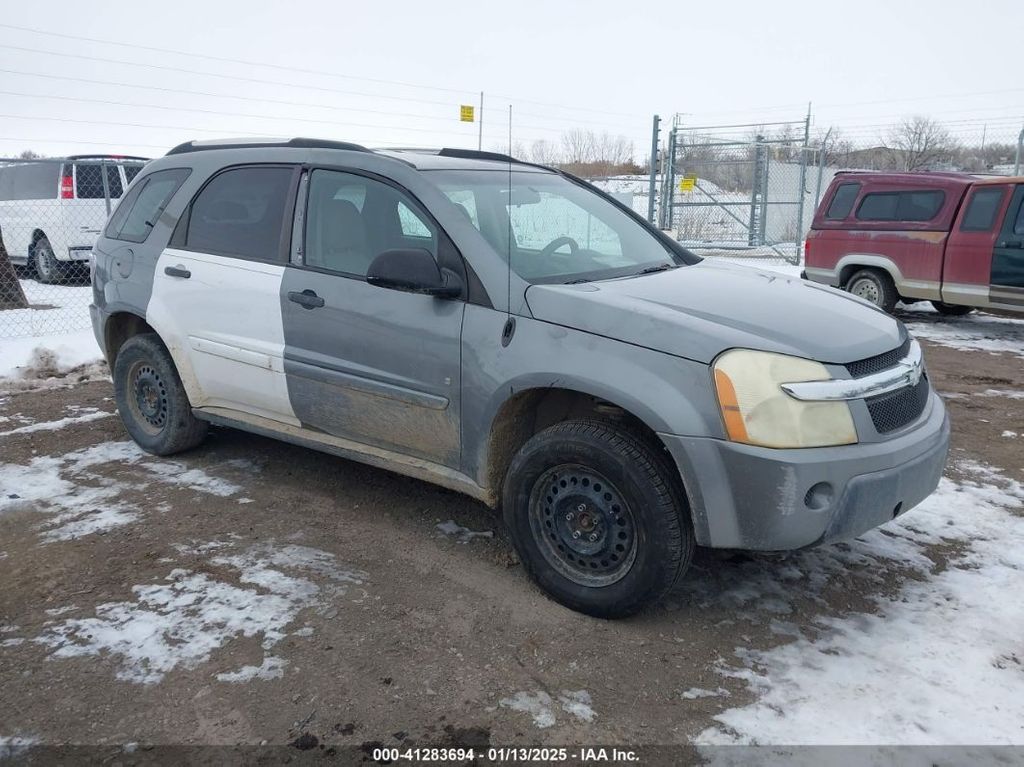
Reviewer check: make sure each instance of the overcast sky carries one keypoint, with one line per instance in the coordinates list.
(394, 72)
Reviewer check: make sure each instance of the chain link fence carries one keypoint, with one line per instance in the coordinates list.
(51, 212)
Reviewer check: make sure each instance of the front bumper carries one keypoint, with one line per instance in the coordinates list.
(747, 497)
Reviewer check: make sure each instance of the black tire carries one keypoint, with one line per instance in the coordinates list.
(47, 268)
(952, 310)
(875, 286)
(625, 494)
(151, 398)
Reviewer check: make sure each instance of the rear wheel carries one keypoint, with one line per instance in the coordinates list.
(952, 310)
(48, 268)
(598, 518)
(151, 399)
(875, 286)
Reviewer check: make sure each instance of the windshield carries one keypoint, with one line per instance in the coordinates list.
(560, 231)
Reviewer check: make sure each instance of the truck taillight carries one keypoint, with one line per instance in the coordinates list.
(67, 187)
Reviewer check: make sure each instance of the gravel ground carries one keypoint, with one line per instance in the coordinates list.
(251, 591)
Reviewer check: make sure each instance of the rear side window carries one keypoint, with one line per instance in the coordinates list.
(901, 206)
(29, 181)
(89, 181)
(137, 214)
(842, 202)
(981, 210)
(241, 213)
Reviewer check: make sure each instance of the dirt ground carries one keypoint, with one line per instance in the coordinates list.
(251, 591)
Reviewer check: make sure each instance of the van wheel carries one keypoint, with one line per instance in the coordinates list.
(875, 286)
(48, 269)
(952, 310)
(598, 518)
(151, 398)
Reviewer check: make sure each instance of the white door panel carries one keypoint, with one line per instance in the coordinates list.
(224, 329)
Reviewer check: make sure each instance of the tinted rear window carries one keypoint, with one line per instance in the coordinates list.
(901, 206)
(241, 213)
(842, 202)
(981, 210)
(89, 181)
(136, 216)
(30, 181)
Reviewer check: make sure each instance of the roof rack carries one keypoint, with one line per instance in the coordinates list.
(236, 143)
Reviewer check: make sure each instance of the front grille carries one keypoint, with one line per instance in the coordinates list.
(881, 362)
(895, 410)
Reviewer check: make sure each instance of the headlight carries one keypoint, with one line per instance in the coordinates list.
(758, 412)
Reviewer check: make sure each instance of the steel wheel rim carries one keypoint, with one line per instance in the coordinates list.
(147, 397)
(582, 525)
(865, 289)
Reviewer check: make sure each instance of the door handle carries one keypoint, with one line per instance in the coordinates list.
(177, 271)
(307, 299)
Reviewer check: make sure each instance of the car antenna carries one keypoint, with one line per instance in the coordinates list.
(510, 321)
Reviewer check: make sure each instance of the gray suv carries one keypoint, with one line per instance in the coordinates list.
(618, 398)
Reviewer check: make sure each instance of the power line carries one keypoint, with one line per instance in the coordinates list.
(227, 60)
(281, 67)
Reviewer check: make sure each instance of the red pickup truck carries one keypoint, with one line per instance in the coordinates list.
(954, 239)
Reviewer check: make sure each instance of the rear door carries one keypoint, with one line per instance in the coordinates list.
(967, 272)
(379, 367)
(1007, 286)
(85, 210)
(216, 291)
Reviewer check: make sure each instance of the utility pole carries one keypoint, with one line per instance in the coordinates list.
(655, 131)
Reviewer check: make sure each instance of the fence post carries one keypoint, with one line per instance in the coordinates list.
(803, 180)
(653, 168)
(821, 168)
(106, 185)
(668, 198)
(1016, 164)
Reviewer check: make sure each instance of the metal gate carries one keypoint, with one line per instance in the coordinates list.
(737, 190)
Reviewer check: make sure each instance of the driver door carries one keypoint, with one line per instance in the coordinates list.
(379, 367)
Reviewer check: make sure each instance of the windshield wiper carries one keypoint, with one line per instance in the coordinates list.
(653, 269)
(577, 281)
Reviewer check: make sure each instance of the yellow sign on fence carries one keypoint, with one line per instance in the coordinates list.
(466, 113)
(687, 183)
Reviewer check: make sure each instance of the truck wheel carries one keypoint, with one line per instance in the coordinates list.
(875, 286)
(599, 519)
(952, 310)
(151, 398)
(48, 269)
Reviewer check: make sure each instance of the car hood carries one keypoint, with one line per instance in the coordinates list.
(701, 310)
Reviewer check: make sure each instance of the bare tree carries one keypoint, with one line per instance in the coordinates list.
(919, 143)
(28, 154)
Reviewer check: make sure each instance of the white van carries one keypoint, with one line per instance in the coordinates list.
(52, 210)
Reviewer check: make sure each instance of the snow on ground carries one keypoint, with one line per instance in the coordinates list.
(181, 621)
(80, 502)
(43, 357)
(540, 706)
(940, 662)
(53, 309)
(60, 423)
(974, 332)
(454, 530)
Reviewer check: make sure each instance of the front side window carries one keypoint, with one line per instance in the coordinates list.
(137, 214)
(561, 231)
(352, 219)
(241, 213)
(981, 210)
(913, 206)
(1018, 226)
(842, 202)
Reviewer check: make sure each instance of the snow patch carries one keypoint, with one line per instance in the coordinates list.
(180, 622)
(944, 650)
(454, 530)
(13, 745)
(696, 692)
(271, 668)
(58, 424)
(976, 332)
(541, 707)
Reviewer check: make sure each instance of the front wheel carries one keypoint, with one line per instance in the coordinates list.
(598, 518)
(151, 399)
(952, 310)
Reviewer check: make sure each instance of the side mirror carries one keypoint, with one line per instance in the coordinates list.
(412, 270)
